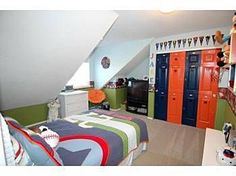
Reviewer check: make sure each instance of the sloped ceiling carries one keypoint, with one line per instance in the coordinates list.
(141, 55)
(140, 24)
(41, 50)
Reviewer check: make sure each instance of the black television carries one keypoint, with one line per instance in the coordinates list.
(137, 91)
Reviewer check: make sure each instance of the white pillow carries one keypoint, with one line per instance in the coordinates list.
(21, 156)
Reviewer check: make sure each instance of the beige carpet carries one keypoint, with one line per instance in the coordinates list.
(171, 144)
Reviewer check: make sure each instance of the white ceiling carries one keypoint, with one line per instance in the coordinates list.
(133, 25)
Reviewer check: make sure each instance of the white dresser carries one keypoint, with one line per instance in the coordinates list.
(73, 102)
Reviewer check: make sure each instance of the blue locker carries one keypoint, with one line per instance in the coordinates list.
(191, 84)
(161, 92)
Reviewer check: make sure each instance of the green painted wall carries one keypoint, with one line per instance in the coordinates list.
(230, 116)
(151, 104)
(224, 114)
(115, 96)
(220, 113)
(29, 115)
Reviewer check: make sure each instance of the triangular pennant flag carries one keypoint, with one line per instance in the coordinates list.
(161, 45)
(157, 46)
(207, 39)
(195, 40)
(174, 43)
(213, 39)
(184, 42)
(169, 44)
(201, 38)
(179, 43)
(165, 45)
(189, 41)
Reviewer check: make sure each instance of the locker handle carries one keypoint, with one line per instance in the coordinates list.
(205, 102)
(175, 70)
(173, 98)
(176, 59)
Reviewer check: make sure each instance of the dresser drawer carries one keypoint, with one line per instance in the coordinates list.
(77, 107)
(75, 99)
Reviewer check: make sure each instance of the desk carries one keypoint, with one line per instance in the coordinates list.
(213, 140)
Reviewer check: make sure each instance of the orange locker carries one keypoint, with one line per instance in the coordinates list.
(208, 89)
(175, 101)
(209, 57)
(176, 78)
(177, 59)
(206, 110)
(209, 78)
(176, 87)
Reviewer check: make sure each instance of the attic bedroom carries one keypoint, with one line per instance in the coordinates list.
(118, 88)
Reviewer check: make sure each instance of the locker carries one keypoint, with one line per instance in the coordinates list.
(175, 101)
(177, 59)
(190, 104)
(206, 110)
(209, 78)
(161, 92)
(208, 88)
(161, 105)
(176, 78)
(209, 57)
(191, 85)
(191, 77)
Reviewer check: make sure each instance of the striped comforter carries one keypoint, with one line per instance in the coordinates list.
(98, 137)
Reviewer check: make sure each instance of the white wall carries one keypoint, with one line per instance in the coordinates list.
(119, 54)
(41, 50)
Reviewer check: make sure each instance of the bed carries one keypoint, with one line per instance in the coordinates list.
(96, 137)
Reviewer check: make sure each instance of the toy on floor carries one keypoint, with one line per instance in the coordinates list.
(226, 155)
(53, 106)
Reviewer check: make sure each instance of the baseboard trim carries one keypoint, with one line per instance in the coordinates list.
(34, 124)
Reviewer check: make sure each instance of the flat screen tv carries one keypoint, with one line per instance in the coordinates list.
(138, 90)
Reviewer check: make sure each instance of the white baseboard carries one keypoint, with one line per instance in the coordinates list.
(38, 123)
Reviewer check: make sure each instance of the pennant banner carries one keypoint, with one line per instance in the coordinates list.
(184, 42)
(165, 45)
(213, 39)
(169, 44)
(174, 43)
(207, 39)
(179, 43)
(161, 45)
(201, 40)
(157, 46)
(195, 40)
(189, 41)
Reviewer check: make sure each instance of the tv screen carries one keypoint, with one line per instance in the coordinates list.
(138, 90)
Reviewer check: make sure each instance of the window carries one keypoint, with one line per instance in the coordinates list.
(81, 77)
